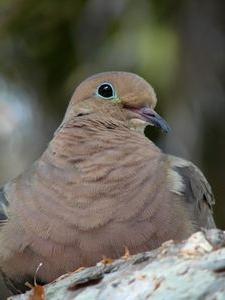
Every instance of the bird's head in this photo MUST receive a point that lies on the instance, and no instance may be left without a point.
(118, 96)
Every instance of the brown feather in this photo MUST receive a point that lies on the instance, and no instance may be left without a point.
(100, 186)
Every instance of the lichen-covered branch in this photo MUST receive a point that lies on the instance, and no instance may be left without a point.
(193, 269)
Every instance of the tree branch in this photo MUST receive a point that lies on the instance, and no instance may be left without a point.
(193, 269)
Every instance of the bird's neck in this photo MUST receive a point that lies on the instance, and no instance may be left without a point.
(87, 140)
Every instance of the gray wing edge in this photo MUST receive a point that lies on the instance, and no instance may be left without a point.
(197, 191)
(3, 207)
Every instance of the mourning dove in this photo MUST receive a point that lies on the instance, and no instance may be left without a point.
(100, 185)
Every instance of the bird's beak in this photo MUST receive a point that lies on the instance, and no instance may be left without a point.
(148, 115)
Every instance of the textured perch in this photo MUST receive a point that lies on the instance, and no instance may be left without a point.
(193, 269)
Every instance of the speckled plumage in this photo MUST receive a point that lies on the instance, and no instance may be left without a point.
(99, 186)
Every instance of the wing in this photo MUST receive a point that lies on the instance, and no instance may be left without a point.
(3, 208)
(196, 191)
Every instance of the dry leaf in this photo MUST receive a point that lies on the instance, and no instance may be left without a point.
(126, 254)
(106, 260)
(38, 293)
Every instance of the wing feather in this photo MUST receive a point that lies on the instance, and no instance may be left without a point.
(3, 208)
(197, 192)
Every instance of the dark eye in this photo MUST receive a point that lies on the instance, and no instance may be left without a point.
(105, 90)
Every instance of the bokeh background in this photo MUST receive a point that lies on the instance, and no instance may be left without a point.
(47, 47)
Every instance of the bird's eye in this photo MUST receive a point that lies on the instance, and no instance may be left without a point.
(105, 90)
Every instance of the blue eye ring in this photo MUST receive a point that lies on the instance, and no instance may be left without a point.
(106, 91)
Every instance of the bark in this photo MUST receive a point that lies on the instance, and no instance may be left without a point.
(193, 269)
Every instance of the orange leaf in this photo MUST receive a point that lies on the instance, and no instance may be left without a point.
(38, 293)
(126, 254)
(106, 260)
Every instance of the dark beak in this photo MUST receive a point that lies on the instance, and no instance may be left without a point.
(149, 115)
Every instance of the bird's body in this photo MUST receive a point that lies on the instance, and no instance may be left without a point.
(99, 186)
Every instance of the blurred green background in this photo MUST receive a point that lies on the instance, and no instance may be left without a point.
(47, 47)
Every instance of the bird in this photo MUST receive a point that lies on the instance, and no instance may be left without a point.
(100, 185)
